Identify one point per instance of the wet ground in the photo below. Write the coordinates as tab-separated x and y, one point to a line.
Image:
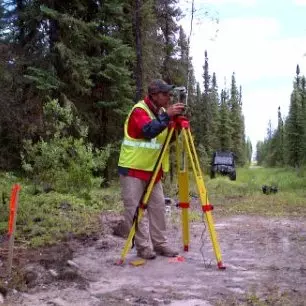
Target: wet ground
265	261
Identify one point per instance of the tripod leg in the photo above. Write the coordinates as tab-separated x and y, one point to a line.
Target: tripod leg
183	191
145	197
206	207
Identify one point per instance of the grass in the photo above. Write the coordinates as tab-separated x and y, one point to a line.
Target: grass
273	296
46	218
245	196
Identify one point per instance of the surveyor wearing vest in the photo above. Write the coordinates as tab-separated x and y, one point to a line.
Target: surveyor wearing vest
145	131
142	154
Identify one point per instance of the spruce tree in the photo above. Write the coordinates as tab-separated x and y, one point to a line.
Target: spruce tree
194	114
22	45
138	42
167	13
225	130
183	61
279	156
74	51
249	150
236	119
303	115
294	131
260	154
143	35
153	43
215	116
205	112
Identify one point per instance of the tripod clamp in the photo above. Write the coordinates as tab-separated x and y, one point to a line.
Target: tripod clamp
179	121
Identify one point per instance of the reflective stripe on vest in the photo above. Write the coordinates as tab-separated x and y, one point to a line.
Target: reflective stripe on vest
142	144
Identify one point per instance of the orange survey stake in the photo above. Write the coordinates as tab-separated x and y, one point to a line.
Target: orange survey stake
13	200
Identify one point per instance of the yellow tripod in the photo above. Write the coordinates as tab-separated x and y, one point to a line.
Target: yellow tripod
186	145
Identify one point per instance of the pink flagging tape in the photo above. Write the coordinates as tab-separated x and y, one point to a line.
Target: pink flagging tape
177	259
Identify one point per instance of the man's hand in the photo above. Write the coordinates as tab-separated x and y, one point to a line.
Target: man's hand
175	109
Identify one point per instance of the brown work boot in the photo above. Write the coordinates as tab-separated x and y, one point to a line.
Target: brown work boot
146	253
165	251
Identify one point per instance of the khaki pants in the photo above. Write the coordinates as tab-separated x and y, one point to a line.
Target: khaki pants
131	191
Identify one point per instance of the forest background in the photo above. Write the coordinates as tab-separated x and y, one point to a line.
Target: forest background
69	73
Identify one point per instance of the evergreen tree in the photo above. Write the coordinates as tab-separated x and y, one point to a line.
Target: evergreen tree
279	156
237	126
74	51
184	62
139	58
249	150
225	130
214	106
205	112
194	114
303	116
284	145
167	13
260	153
143	35
206	76
269	131
294	132
22	45
198	94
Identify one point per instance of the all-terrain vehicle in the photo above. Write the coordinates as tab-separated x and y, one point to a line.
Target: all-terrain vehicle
223	162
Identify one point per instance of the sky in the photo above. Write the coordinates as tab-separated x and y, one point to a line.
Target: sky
262	41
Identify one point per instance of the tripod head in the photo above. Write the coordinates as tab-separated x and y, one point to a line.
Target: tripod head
179	122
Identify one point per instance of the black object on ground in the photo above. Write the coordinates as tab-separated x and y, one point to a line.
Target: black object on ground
269	189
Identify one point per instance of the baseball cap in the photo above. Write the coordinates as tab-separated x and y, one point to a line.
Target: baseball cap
159	85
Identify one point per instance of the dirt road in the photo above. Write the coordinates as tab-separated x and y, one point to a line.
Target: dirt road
264	258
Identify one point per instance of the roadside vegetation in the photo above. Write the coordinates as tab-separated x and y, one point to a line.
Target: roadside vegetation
60	180
245	195
50	216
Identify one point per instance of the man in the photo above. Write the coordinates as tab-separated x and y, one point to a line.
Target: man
145	131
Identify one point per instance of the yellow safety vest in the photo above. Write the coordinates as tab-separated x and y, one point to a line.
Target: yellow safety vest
142	154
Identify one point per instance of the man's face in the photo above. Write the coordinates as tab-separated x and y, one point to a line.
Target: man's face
162	99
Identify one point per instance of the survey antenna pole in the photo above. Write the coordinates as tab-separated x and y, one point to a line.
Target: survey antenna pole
188	47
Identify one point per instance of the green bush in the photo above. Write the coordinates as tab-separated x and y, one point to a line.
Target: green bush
63	159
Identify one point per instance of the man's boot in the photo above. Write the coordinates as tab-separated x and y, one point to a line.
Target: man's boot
165	251
146	253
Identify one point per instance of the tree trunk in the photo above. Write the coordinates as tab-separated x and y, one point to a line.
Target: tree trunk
166	74
20	23
139	65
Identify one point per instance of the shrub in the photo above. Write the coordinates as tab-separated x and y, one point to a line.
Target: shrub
63	159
